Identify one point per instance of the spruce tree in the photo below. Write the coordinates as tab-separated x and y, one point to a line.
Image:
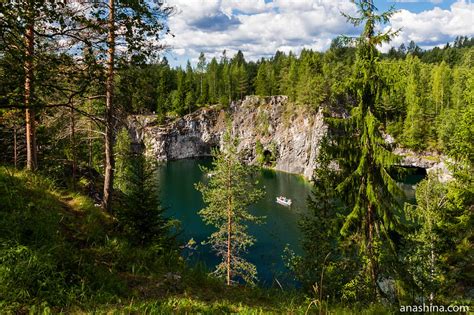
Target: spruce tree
322	263
140	214
369	188
228	194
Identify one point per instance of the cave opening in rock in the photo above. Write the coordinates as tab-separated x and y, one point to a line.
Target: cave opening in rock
414	170
410	174
268	157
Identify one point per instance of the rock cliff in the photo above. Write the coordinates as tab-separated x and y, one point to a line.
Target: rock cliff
292	137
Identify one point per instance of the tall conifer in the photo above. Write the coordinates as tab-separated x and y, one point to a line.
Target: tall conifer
369	188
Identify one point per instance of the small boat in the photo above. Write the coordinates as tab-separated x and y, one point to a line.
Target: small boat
209	175
283	201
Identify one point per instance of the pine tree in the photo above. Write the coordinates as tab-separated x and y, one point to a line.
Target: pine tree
228	195
29	28
137	18
369	188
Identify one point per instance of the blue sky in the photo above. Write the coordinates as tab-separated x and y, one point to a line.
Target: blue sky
261	27
415	6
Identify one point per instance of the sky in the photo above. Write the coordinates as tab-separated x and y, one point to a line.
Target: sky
261	27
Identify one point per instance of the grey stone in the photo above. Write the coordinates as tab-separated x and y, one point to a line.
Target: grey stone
296	136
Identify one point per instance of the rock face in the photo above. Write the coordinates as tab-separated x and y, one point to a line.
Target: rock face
292	137
431	162
190	136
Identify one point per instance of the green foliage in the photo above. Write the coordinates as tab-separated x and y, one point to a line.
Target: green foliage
326	264
363	156
139	214
265	157
437	248
416	101
424	242
413	131
228	194
310	89
123	155
259	153
29	264
262	122
59	250
265	80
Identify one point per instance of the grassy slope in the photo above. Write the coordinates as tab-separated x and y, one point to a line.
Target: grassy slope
59	252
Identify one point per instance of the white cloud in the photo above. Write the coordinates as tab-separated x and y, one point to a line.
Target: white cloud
260	29
245	6
433	27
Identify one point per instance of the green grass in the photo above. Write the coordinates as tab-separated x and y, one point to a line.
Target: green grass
61	254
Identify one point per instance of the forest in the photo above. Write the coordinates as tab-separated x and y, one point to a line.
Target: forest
82	226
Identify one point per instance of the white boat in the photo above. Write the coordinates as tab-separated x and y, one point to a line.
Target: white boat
210	175
283	201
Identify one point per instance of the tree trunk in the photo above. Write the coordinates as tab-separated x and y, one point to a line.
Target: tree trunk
90	145
15	149
73	148
432	271
229	226
109	112
370	248
31	156
229	234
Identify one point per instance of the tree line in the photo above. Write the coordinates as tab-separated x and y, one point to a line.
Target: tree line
422	86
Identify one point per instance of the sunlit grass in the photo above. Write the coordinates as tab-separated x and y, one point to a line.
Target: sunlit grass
60	253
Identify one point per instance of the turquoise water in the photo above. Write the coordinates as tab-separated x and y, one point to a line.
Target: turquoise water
183	201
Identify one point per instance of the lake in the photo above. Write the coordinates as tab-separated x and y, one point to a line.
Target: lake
177	179
183	201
